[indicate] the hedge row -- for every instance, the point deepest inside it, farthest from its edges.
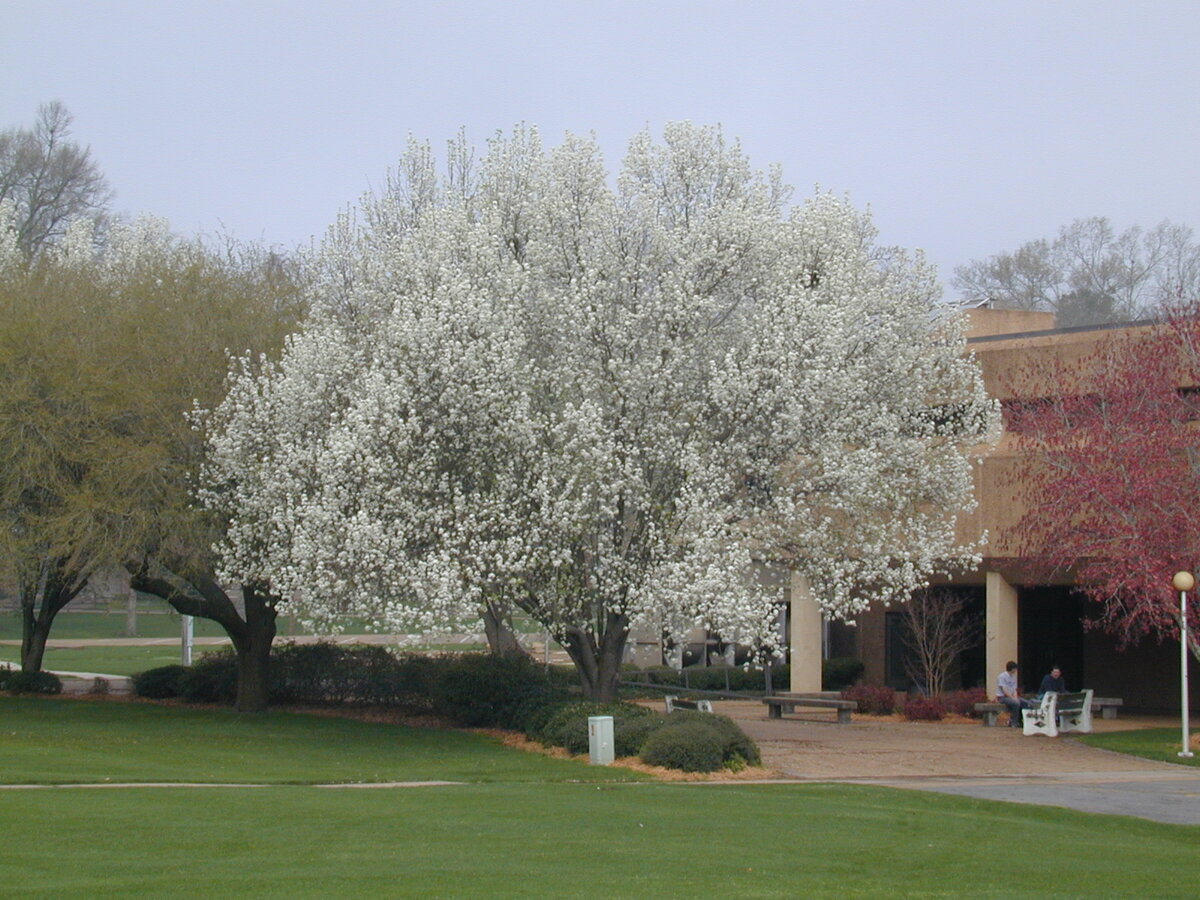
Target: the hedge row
(882, 701)
(474, 690)
(836, 673)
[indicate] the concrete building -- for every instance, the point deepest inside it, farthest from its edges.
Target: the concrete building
(1031, 616)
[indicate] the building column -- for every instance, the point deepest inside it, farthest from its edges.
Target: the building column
(1001, 641)
(644, 647)
(804, 639)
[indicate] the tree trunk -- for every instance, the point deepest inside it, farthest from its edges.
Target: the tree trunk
(39, 605)
(599, 663)
(131, 614)
(251, 636)
(254, 653)
(500, 636)
(34, 633)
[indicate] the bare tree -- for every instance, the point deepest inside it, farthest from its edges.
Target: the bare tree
(1090, 274)
(938, 631)
(49, 178)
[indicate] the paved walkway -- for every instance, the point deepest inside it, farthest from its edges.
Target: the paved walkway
(970, 760)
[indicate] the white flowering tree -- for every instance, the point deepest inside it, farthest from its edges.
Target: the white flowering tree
(524, 387)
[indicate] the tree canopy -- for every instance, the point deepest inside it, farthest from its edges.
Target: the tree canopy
(600, 401)
(103, 352)
(1113, 490)
(49, 179)
(1089, 274)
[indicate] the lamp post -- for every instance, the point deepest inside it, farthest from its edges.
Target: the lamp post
(1184, 582)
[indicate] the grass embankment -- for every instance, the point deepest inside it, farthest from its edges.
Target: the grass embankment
(55, 741)
(1162, 744)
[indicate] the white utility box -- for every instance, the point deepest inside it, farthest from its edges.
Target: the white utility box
(600, 739)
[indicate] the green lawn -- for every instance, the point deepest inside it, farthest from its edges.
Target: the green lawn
(574, 841)
(1162, 744)
(117, 741)
(106, 660)
(522, 826)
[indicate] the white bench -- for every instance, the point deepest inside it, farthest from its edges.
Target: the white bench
(1059, 713)
(1107, 706)
(674, 703)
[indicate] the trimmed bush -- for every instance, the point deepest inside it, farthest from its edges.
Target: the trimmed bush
(688, 745)
(564, 724)
(6, 672)
(33, 683)
(160, 683)
(713, 678)
(735, 742)
(872, 700)
(924, 709)
(211, 680)
(840, 672)
(963, 702)
(490, 690)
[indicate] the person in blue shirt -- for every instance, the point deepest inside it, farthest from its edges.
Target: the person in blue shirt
(1053, 682)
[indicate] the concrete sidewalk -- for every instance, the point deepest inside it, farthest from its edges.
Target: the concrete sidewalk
(1171, 797)
(970, 760)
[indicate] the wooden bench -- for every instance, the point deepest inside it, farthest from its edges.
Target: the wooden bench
(1108, 707)
(778, 704)
(674, 703)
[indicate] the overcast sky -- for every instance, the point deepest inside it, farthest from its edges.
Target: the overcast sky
(967, 127)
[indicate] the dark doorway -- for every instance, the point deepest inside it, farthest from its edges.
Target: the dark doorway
(968, 670)
(1051, 631)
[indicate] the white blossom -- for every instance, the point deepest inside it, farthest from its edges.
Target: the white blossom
(600, 404)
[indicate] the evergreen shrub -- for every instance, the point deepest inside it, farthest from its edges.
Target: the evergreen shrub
(213, 679)
(688, 745)
(839, 672)
(490, 689)
(33, 683)
(160, 683)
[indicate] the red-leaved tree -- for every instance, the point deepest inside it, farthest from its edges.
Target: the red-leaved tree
(1112, 484)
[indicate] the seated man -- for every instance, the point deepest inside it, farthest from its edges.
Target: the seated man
(1053, 682)
(1009, 694)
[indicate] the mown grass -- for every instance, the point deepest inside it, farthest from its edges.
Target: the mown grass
(575, 841)
(107, 660)
(1162, 744)
(57, 741)
(522, 825)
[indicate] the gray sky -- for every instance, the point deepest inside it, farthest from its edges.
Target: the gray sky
(967, 127)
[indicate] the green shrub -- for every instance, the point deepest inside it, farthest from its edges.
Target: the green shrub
(735, 742)
(688, 745)
(872, 700)
(211, 680)
(564, 724)
(490, 690)
(712, 678)
(629, 735)
(840, 672)
(6, 672)
(924, 709)
(160, 683)
(33, 683)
